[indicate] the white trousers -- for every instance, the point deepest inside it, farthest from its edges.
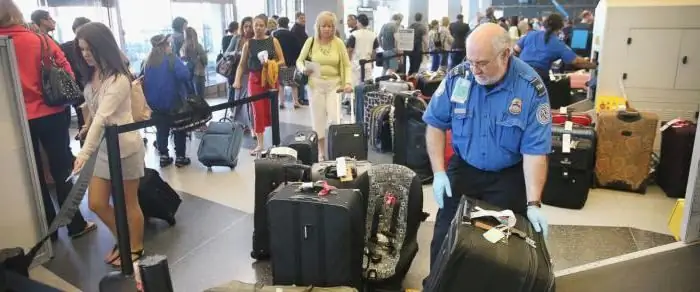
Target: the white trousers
(325, 104)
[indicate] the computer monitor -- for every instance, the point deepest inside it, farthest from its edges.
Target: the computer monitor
(579, 39)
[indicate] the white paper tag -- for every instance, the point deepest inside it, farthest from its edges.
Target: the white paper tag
(505, 217)
(566, 143)
(300, 138)
(494, 235)
(284, 151)
(341, 166)
(568, 126)
(562, 110)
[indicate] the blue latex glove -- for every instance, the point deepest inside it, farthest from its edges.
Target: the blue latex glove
(441, 186)
(538, 220)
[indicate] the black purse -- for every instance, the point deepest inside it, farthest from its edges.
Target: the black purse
(58, 88)
(300, 78)
(190, 111)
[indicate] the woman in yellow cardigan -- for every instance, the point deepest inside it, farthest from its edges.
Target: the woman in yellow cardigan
(330, 53)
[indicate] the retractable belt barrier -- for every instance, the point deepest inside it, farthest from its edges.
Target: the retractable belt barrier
(364, 62)
(124, 278)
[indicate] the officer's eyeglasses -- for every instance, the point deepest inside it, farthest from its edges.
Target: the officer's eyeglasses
(483, 64)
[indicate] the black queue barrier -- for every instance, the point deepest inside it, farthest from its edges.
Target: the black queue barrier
(123, 280)
(364, 62)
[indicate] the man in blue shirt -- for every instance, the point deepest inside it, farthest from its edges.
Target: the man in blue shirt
(498, 111)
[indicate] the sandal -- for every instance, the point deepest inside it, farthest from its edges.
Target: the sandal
(114, 255)
(88, 228)
(255, 151)
(135, 256)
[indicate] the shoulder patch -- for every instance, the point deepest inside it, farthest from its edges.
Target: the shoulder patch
(460, 70)
(544, 114)
(539, 86)
(441, 88)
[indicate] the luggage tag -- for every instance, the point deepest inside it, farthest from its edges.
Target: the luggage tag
(494, 235)
(344, 170)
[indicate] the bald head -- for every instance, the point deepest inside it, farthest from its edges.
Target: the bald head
(487, 51)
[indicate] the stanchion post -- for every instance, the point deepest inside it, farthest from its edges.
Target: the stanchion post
(275, 117)
(115, 174)
(362, 70)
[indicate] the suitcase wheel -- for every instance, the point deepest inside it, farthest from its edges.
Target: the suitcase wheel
(259, 255)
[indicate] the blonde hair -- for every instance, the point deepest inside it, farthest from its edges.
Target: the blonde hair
(10, 14)
(445, 21)
(271, 24)
(322, 18)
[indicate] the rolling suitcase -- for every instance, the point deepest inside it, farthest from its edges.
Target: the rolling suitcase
(361, 92)
(428, 82)
(393, 83)
(625, 144)
(306, 145)
(409, 136)
(316, 240)
(561, 115)
(269, 174)
(328, 171)
(347, 140)
(559, 92)
(157, 198)
(372, 100)
(467, 261)
(220, 144)
(380, 128)
(571, 164)
(677, 138)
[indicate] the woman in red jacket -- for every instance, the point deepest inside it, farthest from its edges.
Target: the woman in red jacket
(47, 125)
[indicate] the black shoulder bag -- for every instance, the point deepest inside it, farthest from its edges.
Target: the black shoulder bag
(188, 112)
(58, 88)
(300, 77)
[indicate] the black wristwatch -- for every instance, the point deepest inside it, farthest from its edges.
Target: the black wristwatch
(537, 204)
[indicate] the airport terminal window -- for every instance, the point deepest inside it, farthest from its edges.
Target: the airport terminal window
(27, 7)
(64, 17)
(437, 10)
(249, 8)
(140, 21)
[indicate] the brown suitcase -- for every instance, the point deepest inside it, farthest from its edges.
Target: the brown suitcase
(625, 145)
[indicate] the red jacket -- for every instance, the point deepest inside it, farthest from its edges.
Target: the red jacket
(28, 51)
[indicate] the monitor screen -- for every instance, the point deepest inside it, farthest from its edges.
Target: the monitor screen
(579, 39)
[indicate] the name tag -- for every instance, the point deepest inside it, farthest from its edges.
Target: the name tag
(460, 111)
(460, 94)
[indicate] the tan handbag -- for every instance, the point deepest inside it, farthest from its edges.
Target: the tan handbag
(139, 107)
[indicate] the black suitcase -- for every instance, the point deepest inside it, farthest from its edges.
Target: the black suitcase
(560, 92)
(347, 140)
(269, 174)
(674, 164)
(306, 145)
(468, 262)
(570, 175)
(157, 198)
(314, 240)
(410, 147)
(380, 128)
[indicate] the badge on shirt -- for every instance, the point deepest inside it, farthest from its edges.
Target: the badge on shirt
(460, 94)
(516, 106)
(544, 114)
(460, 111)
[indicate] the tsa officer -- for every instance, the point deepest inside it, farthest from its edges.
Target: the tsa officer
(498, 111)
(540, 49)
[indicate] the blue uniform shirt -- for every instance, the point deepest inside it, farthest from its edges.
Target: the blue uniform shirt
(539, 55)
(492, 129)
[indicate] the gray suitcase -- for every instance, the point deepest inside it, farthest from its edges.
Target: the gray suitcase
(220, 144)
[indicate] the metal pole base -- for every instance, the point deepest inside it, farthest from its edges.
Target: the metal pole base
(118, 282)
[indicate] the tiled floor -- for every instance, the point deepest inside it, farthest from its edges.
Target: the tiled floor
(211, 243)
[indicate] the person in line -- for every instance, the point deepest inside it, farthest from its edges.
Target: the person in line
(251, 63)
(447, 41)
(299, 30)
(540, 49)
(196, 57)
(387, 40)
(361, 45)
(179, 25)
(68, 49)
(43, 20)
(331, 54)
(48, 126)
(291, 47)
(271, 26)
(513, 30)
(524, 27)
(459, 30)
(489, 16)
(498, 111)
(586, 20)
(241, 113)
(231, 32)
(420, 40)
(435, 44)
(164, 79)
(352, 23)
(107, 96)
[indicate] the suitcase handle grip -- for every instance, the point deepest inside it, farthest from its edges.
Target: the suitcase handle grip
(293, 166)
(629, 116)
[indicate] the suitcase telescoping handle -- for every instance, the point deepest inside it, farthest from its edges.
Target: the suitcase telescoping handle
(293, 166)
(339, 118)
